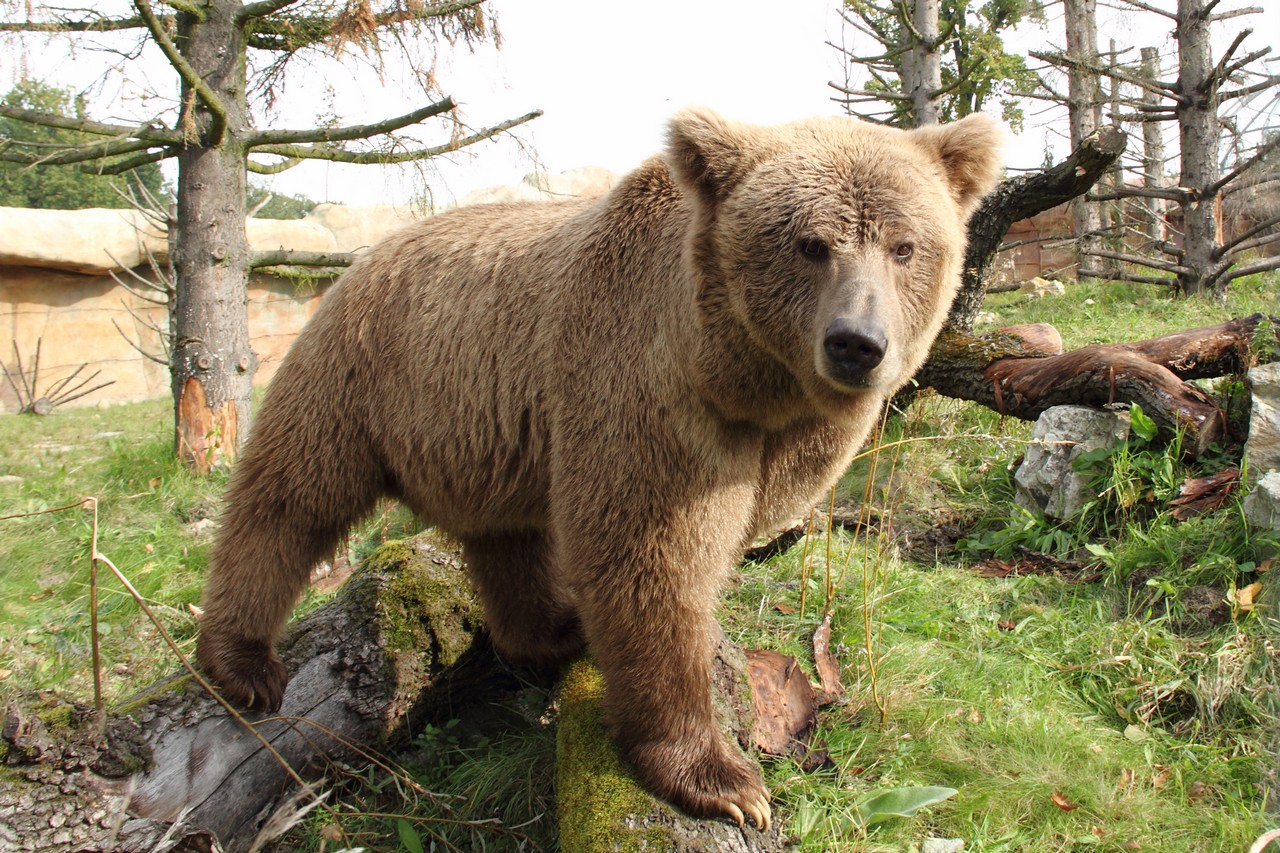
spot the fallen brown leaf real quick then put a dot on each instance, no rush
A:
(1007, 625)
(1245, 595)
(784, 609)
(1060, 800)
(785, 705)
(1196, 790)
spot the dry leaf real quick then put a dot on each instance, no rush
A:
(1244, 597)
(1007, 625)
(5, 673)
(785, 705)
(1160, 776)
(784, 609)
(1265, 565)
(1196, 790)
(1060, 800)
(149, 548)
(825, 661)
(153, 483)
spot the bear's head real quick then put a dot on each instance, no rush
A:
(834, 246)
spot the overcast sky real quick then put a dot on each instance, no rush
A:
(606, 75)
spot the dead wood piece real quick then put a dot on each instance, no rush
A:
(998, 371)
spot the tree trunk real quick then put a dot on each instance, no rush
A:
(1197, 112)
(1018, 198)
(926, 64)
(1152, 151)
(1001, 372)
(1084, 111)
(212, 364)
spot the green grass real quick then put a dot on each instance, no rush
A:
(1010, 690)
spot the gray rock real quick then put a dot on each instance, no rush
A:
(1046, 480)
(1262, 504)
(1262, 450)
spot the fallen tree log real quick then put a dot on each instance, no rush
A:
(368, 668)
(1005, 372)
(172, 769)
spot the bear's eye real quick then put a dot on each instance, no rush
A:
(903, 252)
(814, 248)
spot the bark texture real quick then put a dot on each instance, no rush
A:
(212, 364)
(1197, 110)
(1084, 111)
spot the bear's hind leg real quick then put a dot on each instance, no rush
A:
(292, 497)
(530, 614)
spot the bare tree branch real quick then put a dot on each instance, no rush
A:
(1243, 242)
(1146, 8)
(342, 134)
(1150, 263)
(146, 131)
(298, 258)
(342, 155)
(262, 8)
(1258, 156)
(1265, 265)
(101, 24)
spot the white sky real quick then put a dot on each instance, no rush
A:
(606, 75)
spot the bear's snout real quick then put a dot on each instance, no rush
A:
(854, 347)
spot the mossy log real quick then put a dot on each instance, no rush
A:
(399, 645)
(401, 637)
(600, 806)
(1002, 372)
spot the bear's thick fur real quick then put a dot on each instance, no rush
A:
(605, 400)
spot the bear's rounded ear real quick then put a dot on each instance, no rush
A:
(970, 151)
(706, 153)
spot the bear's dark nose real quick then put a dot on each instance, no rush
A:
(853, 347)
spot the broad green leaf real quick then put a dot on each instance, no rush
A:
(900, 802)
(409, 836)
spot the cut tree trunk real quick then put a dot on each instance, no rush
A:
(212, 364)
(1003, 373)
(399, 646)
(1021, 197)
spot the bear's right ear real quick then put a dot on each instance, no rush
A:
(706, 153)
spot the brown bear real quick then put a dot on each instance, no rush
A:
(604, 400)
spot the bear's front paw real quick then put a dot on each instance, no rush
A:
(247, 672)
(706, 780)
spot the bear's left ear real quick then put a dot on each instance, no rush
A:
(970, 153)
(708, 154)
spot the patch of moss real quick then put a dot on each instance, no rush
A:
(429, 606)
(594, 790)
(176, 684)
